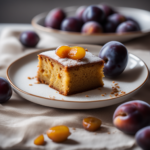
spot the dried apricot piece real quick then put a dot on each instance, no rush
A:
(39, 140)
(58, 133)
(91, 123)
(76, 52)
(62, 51)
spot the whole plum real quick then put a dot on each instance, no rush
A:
(116, 18)
(131, 116)
(109, 27)
(106, 9)
(93, 13)
(128, 26)
(115, 56)
(5, 90)
(55, 18)
(91, 27)
(131, 19)
(143, 138)
(29, 38)
(71, 24)
(79, 12)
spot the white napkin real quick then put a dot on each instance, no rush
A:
(22, 121)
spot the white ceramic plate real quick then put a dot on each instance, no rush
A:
(142, 17)
(130, 81)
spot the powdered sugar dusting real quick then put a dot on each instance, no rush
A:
(89, 58)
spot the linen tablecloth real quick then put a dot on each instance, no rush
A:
(22, 121)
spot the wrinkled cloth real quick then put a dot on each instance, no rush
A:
(22, 121)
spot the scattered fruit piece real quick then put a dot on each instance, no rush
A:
(5, 90)
(29, 38)
(39, 140)
(131, 116)
(91, 123)
(115, 56)
(143, 138)
(58, 133)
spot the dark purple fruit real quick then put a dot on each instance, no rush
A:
(128, 26)
(143, 138)
(131, 116)
(107, 10)
(29, 38)
(5, 90)
(71, 24)
(91, 27)
(115, 56)
(79, 12)
(93, 13)
(131, 19)
(55, 18)
(109, 27)
(116, 19)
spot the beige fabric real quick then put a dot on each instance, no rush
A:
(21, 121)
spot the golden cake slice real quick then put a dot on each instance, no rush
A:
(69, 76)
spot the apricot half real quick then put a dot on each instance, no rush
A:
(58, 133)
(91, 123)
(75, 52)
(39, 140)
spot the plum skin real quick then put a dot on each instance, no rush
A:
(107, 10)
(131, 116)
(128, 26)
(116, 18)
(5, 90)
(79, 12)
(131, 19)
(91, 27)
(93, 13)
(115, 56)
(71, 24)
(55, 18)
(143, 138)
(109, 27)
(29, 38)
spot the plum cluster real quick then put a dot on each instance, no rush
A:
(133, 117)
(91, 19)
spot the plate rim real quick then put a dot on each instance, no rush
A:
(51, 30)
(41, 50)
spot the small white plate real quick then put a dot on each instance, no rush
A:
(141, 16)
(130, 81)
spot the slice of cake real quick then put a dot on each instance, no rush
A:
(69, 76)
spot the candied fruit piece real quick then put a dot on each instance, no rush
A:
(58, 133)
(39, 140)
(91, 123)
(62, 51)
(76, 52)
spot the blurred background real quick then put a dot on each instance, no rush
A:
(22, 11)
